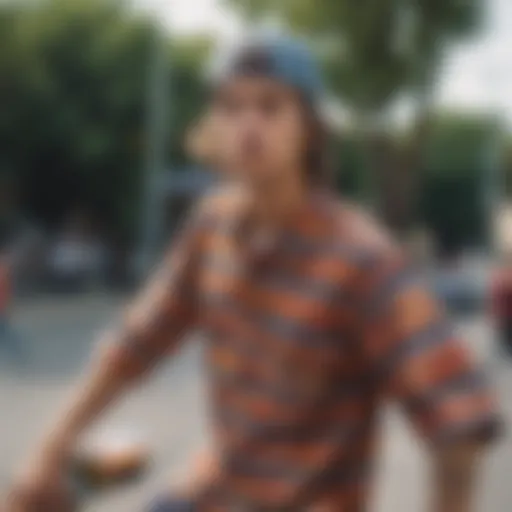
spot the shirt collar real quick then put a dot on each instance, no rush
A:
(265, 243)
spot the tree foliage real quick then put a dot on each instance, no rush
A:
(374, 49)
(74, 100)
(456, 173)
(377, 52)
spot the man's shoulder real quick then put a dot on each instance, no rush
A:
(220, 202)
(360, 230)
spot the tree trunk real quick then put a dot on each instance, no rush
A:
(397, 173)
(411, 163)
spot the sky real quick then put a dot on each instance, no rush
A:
(476, 74)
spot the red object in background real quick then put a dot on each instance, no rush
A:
(5, 287)
(501, 294)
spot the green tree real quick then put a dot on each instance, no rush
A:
(74, 100)
(377, 52)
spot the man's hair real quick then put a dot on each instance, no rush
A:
(253, 60)
(317, 164)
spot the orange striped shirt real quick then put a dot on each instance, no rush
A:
(305, 342)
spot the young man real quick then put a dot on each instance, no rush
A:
(313, 320)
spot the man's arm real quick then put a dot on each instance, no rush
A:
(416, 359)
(456, 472)
(98, 389)
(152, 327)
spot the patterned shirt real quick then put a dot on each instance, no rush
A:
(306, 339)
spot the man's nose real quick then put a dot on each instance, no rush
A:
(251, 142)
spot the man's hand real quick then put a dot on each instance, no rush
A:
(41, 487)
(455, 470)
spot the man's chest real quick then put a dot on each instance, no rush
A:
(282, 319)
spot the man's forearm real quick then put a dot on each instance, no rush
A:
(456, 470)
(101, 387)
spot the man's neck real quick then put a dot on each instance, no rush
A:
(273, 204)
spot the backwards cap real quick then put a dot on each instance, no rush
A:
(282, 59)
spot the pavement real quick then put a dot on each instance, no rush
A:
(170, 410)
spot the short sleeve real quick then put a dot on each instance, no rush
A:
(156, 321)
(415, 356)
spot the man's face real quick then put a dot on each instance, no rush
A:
(260, 129)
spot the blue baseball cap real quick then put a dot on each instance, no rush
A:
(285, 60)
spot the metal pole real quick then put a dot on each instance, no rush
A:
(493, 184)
(157, 132)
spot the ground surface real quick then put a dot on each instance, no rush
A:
(171, 409)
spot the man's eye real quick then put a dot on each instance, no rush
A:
(269, 106)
